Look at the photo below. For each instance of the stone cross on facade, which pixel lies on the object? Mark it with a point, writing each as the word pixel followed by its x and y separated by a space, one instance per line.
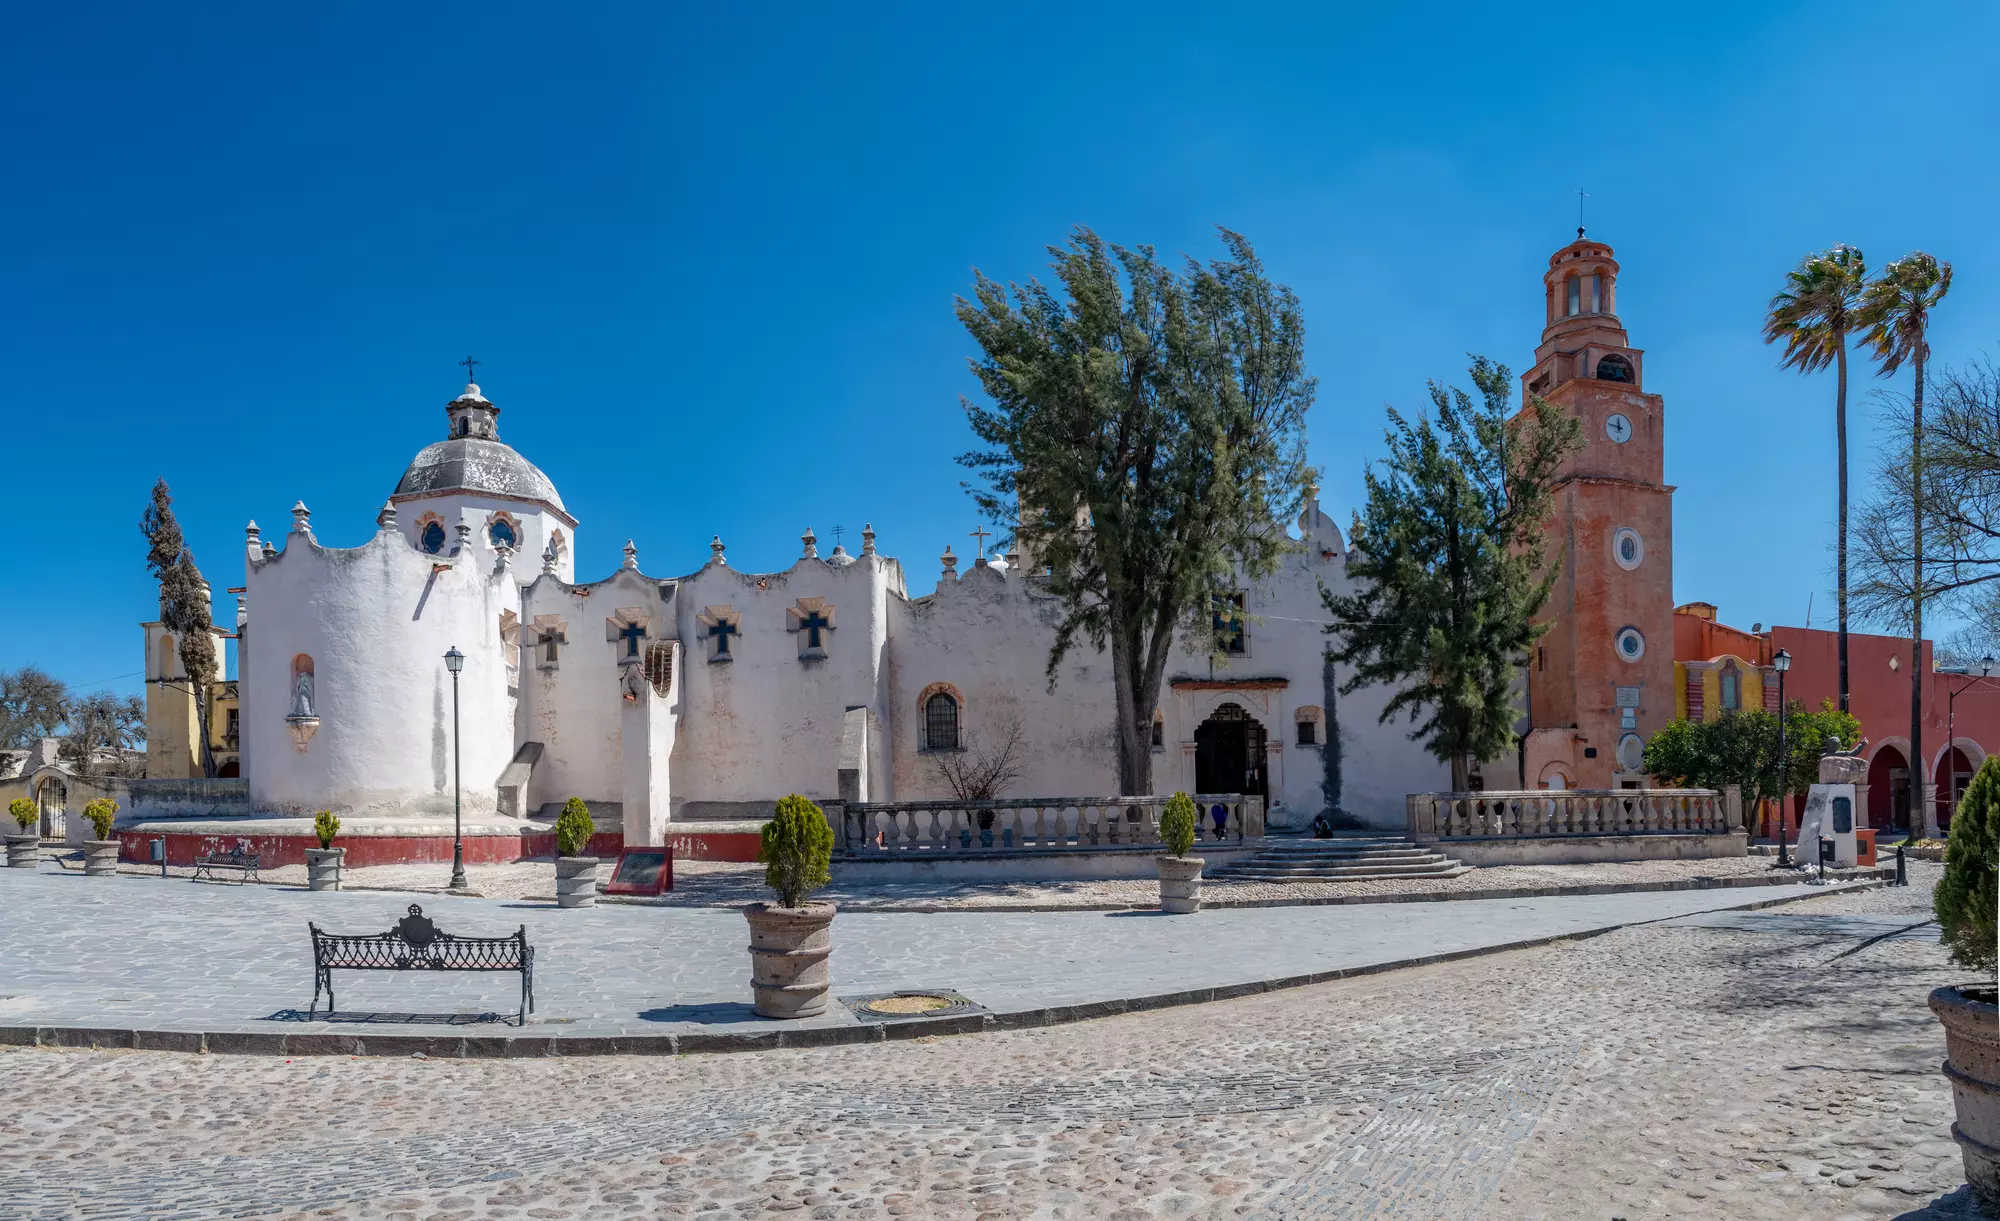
pixel 812 618
pixel 721 622
pixel 628 626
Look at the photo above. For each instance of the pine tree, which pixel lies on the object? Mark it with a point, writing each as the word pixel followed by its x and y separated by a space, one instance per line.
pixel 1967 896
pixel 1452 566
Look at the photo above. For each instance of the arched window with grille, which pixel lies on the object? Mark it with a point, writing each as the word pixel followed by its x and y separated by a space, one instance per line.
pixel 941 722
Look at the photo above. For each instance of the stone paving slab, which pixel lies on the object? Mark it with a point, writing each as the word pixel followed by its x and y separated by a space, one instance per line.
pixel 144 962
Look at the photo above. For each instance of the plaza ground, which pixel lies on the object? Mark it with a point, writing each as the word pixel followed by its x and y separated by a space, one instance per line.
pixel 1772 1064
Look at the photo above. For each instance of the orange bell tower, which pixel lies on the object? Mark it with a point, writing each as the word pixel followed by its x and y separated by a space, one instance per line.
pixel 1601 680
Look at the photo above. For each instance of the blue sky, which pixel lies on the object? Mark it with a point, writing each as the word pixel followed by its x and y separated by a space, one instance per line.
pixel 708 258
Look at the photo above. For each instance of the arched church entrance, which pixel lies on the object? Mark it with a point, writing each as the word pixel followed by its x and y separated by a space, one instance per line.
pixel 1229 753
pixel 1889 790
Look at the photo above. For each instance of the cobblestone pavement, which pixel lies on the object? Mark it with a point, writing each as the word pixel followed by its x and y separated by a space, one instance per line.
pixel 729 884
pixel 1712 1067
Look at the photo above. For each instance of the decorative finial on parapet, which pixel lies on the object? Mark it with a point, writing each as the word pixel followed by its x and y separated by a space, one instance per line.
pixel 715 551
pixel 812 544
pixel 387 517
pixel 251 533
pixel 950 562
pixel 506 558
pixel 867 538
pixel 631 556
pixel 464 535
pixel 301 519
pixel 549 558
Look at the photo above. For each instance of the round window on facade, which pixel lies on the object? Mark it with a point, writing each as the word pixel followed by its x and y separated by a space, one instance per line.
pixel 1631 752
pixel 1631 645
pixel 1627 548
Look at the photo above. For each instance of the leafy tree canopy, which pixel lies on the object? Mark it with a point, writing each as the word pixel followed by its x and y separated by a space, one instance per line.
pixel 1144 443
pixel 33 705
pixel 1451 565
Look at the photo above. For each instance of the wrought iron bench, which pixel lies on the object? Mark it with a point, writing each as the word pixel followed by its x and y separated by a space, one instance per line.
pixel 243 864
pixel 415 944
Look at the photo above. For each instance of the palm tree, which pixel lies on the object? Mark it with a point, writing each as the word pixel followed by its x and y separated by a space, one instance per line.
pixel 1813 316
pixel 1895 316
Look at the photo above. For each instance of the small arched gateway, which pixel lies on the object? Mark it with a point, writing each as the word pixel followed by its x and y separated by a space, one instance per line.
pixel 1229 753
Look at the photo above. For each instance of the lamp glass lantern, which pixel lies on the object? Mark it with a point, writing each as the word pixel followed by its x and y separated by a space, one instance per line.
pixel 454 660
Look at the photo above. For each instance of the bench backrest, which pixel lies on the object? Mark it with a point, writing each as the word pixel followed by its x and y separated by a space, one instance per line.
pixel 416 941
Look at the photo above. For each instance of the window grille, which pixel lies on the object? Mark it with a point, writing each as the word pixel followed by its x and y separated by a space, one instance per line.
pixel 940 722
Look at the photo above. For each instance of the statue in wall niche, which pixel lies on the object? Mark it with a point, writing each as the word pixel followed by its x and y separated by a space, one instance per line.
pixel 302 698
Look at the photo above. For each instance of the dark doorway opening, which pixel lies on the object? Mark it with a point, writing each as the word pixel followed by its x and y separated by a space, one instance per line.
pixel 1229 753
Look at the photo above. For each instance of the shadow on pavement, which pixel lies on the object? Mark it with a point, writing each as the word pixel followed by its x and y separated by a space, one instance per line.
pixel 715 1013
pixel 372 1018
pixel 1960 1205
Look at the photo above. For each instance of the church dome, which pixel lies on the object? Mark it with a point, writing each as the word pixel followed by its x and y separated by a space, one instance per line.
pixel 474 459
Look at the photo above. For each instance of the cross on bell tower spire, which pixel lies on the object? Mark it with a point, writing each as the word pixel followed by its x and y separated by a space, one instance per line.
pixel 470 365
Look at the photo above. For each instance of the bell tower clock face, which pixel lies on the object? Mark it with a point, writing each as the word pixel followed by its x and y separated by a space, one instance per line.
pixel 1618 428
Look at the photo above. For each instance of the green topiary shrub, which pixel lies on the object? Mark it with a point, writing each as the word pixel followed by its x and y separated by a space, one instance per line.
pixel 102 812
pixel 574 828
pixel 1965 899
pixel 797 850
pixel 1177 824
pixel 326 825
pixel 25 813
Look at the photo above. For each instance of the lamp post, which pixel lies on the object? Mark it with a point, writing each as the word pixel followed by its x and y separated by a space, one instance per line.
pixel 1781 663
pixel 455 661
pixel 1983 668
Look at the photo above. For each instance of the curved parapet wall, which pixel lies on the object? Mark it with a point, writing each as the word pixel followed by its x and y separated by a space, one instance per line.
pixel 367 628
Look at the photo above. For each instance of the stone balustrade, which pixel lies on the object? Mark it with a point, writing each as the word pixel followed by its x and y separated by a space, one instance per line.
pixel 1559 812
pixel 1030 825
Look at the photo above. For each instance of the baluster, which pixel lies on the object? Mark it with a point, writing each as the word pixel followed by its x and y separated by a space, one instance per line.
pixel 1041 826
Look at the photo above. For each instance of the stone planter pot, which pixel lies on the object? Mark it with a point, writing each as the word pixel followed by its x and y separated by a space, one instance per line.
pixel 576 881
pixel 789 947
pixel 1180 884
pixel 323 868
pixel 1972 1065
pixel 100 857
pixel 23 851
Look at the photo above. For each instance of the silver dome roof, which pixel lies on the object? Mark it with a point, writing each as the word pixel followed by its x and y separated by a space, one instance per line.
pixel 474 464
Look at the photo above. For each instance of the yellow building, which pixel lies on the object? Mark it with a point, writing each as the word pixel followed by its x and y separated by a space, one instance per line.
pixel 173 729
pixel 1719 670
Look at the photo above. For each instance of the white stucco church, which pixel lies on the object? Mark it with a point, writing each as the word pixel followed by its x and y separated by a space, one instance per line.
pixel 706 696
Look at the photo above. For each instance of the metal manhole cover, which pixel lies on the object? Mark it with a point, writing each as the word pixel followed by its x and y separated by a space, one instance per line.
pixel 910 1004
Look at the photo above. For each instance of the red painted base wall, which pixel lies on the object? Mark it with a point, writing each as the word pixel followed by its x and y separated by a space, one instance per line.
pixel 365 850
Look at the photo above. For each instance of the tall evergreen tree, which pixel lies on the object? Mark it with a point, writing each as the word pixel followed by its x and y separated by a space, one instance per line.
pixel 1145 443
pixel 1813 316
pixel 1452 565
pixel 184 606
pixel 1896 314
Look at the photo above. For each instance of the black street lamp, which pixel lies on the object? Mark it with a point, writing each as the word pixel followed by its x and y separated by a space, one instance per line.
pixel 455 661
pixel 1781 663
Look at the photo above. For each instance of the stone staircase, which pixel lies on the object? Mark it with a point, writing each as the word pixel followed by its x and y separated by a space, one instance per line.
pixel 1346 856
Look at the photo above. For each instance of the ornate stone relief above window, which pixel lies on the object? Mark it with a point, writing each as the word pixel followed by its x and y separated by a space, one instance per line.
pixel 503 530
pixel 431 534
pixel 1309 722
pixel 812 619
pixel 627 629
pixel 551 633
pixel 721 626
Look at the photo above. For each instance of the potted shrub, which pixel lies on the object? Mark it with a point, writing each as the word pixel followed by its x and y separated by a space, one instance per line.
pixel 576 874
pixel 324 863
pixel 25 849
pixel 100 855
pixel 1965 902
pixel 791 939
pixel 1180 874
